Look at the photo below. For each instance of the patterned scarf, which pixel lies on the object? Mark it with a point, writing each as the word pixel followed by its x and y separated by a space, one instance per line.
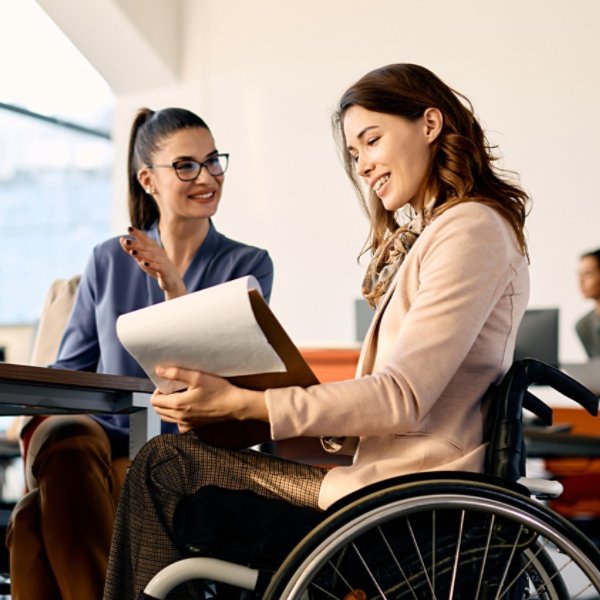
pixel 390 254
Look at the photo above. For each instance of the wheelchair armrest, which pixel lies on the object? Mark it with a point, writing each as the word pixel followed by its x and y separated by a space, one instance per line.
pixel 542 489
pixel 540 373
pixel 540 409
pixel 505 402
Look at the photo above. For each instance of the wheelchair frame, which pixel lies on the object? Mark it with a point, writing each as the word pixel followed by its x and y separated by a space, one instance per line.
pixel 438 534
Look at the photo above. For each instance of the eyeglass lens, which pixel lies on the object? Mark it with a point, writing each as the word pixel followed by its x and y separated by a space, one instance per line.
pixel 190 169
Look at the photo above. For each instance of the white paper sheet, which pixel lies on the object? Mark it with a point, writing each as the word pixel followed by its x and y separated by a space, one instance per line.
pixel 213 330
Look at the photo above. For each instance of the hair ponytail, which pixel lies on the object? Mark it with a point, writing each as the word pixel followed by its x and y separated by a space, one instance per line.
pixel 143 210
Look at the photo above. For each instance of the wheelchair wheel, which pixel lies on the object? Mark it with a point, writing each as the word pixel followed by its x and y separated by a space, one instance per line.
pixel 451 537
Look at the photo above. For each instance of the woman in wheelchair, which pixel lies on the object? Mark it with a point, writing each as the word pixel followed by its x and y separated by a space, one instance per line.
pixel 60 532
pixel 449 282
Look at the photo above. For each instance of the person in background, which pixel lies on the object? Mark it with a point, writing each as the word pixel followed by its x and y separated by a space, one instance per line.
pixel 60 531
pixel 449 283
pixel 588 327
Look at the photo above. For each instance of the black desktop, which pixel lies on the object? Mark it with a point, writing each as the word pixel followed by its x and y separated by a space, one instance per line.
pixel 538 336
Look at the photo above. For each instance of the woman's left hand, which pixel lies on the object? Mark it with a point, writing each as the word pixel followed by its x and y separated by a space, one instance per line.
pixel 207 399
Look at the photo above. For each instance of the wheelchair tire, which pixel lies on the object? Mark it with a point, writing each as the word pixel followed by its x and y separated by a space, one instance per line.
pixel 452 537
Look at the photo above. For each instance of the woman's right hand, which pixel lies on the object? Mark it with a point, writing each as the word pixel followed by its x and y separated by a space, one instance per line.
pixel 207 399
pixel 153 260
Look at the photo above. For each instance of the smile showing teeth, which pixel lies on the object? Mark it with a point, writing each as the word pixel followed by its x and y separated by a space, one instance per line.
pixel 380 182
pixel 203 196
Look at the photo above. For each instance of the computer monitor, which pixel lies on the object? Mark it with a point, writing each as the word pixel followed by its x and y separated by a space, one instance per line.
pixel 538 336
pixel 363 315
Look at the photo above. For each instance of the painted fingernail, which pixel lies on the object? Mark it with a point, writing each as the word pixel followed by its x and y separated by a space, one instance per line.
pixel 130 229
pixel 146 264
pixel 134 252
pixel 128 242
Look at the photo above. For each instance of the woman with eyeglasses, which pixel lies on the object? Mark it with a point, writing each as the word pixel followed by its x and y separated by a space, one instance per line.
pixel 449 282
pixel 60 532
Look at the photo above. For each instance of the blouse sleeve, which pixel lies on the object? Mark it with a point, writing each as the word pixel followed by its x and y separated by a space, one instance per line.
pixel 263 271
pixel 465 267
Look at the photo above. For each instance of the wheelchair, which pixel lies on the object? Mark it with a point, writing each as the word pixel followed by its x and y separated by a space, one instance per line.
pixel 434 535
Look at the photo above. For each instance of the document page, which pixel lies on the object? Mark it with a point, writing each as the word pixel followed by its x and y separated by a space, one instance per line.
pixel 213 330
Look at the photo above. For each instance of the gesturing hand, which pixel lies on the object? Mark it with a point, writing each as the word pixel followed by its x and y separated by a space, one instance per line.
pixel 207 399
pixel 153 260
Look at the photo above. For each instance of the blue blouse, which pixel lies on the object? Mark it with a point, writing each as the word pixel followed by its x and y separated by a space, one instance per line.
pixel 112 284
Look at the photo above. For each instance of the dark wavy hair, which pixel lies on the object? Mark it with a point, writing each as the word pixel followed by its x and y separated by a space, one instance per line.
pixel 148 131
pixel 461 167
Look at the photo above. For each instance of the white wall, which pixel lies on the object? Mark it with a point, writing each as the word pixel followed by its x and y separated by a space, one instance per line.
pixel 266 75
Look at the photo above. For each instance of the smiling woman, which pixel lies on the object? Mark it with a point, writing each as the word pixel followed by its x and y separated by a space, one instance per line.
pixel 392 153
pixel 76 465
pixel 449 290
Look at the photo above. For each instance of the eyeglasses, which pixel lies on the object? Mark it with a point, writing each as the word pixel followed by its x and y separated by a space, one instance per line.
pixel 188 170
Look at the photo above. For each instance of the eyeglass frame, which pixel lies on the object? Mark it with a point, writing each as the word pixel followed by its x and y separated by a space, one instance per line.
pixel 201 165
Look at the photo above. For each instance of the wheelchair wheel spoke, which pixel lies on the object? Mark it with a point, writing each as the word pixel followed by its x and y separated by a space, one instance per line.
pixel 370 573
pixel 315 586
pixel 485 555
pixel 582 591
pixel 396 562
pixel 525 569
pixel 420 557
pixel 508 563
pixel 341 577
pixel 456 555
pixel 433 545
pixel 557 574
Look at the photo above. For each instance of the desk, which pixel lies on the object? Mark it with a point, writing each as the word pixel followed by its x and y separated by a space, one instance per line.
pixel 26 390
pixel 582 439
pixel 551 445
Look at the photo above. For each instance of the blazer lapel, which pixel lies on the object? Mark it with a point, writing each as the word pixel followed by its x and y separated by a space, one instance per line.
pixel 367 356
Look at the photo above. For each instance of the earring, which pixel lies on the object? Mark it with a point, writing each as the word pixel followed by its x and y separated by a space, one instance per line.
pixel 148 191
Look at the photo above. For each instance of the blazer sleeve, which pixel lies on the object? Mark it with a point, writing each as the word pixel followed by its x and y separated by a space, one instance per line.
pixel 465 266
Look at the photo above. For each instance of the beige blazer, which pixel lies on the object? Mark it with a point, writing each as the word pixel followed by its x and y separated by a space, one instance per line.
pixel 444 331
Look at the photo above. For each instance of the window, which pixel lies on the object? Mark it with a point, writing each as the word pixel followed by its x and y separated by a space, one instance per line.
pixel 55 167
pixel 55 204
